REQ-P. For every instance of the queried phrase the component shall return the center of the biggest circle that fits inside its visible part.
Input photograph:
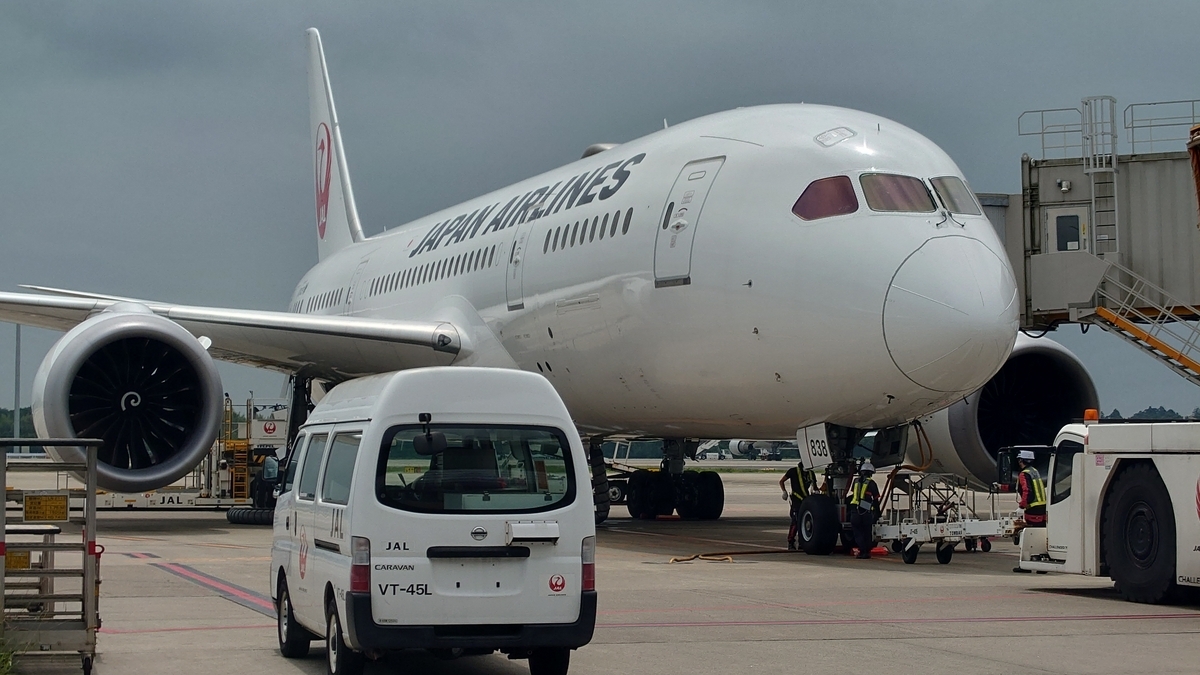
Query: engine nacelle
(1040, 388)
(140, 382)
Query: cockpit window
(890, 192)
(833, 196)
(955, 195)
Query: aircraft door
(680, 218)
(354, 289)
(516, 266)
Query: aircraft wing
(337, 347)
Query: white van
(447, 509)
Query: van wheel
(339, 658)
(549, 661)
(293, 639)
(1139, 535)
(819, 526)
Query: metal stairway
(1145, 315)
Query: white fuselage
(732, 318)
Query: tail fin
(337, 216)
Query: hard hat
(867, 466)
(1025, 454)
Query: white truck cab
(439, 508)
(1122, 501)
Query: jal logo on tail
(323, 164)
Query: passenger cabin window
(335, 487)
(1064, 457)
(833, 196)
(311, 464)
(894, 193)
(955, 195)
(484, 468)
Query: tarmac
(186, 593)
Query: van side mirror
(429, 443)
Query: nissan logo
(479, 534)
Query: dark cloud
(160, 149)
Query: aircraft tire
(712, 495)
(600, 495)
(639, 497)
(1139, 535)
(819, 525)
(689, 496)
(248, 515)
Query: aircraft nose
(950, 316)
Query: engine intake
(1040, 388)
(140, 382)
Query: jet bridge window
(833, 196)
(891, 192)
(955, 195)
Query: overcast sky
(160, 150)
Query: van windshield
(484, 468)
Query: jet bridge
(1106, 238)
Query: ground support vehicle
(51, 587)
(446, 509)
(938, 509)
(1123, 502)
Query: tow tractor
(1124, 502)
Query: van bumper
(366, 635)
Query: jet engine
(1040, 388)
(140, 382)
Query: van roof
(441, 390)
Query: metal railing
(1060, 131)
(1162, 126)
(1145, 314)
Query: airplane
(744, 275)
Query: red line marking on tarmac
(131, 631)
(853, 622)
(238, 594)
(833, 603)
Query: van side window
(484, 468)
(335, 487)
(1064, 457)
(311, 465)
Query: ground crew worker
(1031, 491)
(1031, 494)
(864, 505)
(802, 483)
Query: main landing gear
(694, 495)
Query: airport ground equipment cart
(1123, 500)
(938, 509)
(51, 581)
